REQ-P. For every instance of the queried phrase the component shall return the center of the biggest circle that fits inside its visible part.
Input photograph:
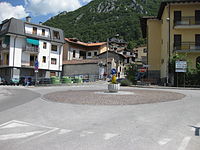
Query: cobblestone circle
(90, 97)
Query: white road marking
(164, 141)
(84, 133)
(184, 143)
(18, 135)
(64, 131)
(13, 125)
(6, 123)
(108, 136)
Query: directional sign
(113, 71)
(181, 66)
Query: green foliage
(125, 83)
(89, 24)
(131, 73)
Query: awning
(32, 41)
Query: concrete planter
(114, 88)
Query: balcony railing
(37, 34)
(187, 47)
(28, 63)
(31, 49)
(189, 20)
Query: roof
(114, 53)
(75, 41)
(17, 27)
(85, 61)
(163, 4)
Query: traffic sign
(113, 71)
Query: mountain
(101, 19)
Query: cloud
(86, 1)
(45, 7)
(8, 11)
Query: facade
(176, 30)
(77, 50)
(140, 55)
(88, 69)
(22, 44)
(119, 60)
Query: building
(140, 55)
(119, 60)
(88, 69)
(175, 30)
(22, 44)
(78, 50)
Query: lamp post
(107, 56)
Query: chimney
(40, 23)
(28, 19)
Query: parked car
(44, 81)
(26, 80)
(3, 81)
(14, 81)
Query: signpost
(36, 65)
(181, 66)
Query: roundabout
(123, 97)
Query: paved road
(44, 125)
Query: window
(44, 45)
(43, 32)
(144, 50)
(34, 30)
(95, 53)
(133, 58)
(53, 61)
(131, 53)
(89, 54)
(74, 53)
(177, 41)
(54, 48)
(124, 53)
(177, 17)
(56, 35)
(44, 59)
(127, 60)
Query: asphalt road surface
(28, 122)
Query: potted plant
(113, 86)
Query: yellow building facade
(176, 30)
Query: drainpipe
(13, 55)
(169, 14)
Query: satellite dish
(4, 45)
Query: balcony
(188, 22)
(29, 64)
(31, 49)
(187, 47)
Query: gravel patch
(92, 97)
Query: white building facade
(23, 44)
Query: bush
(125, 83)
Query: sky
(39, 10)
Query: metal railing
(38, 34)
(32, 49)
(189, 20)
(187, 46)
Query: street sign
(36, 64)
(181, 66)
(113, 71)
